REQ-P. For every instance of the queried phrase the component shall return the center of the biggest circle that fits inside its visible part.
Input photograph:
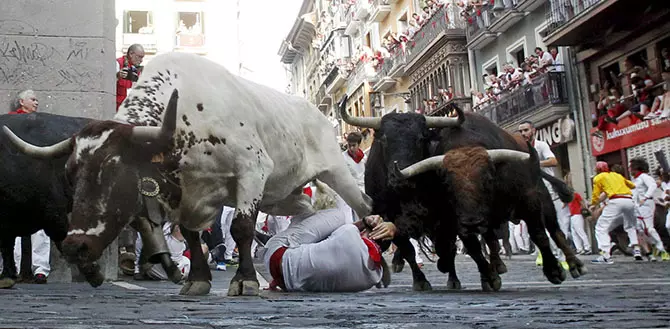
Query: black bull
(472, 196)
(35, 194)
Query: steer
(218, 140)
(34, 194)
(479, 193)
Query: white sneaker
(651, 258)
(602, 260)
(665, 114)
(652, 115)
(637, 254)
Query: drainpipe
(575, 99)
(473, 73)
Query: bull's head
(401, 139)
(103, 169)
(437, 162)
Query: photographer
(128, 70)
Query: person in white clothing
(547, 163)
(321, 252)
(41, 252)
(355, 158)
(664, 198)
(643, 196)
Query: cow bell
(153, 240)
(498, 5)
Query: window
(368, 40)
(519, 56)
(190, 23)
(491, 66)
(138, 22)
(517, 52)
(609, 75)
(664, 54)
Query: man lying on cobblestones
(322, 252)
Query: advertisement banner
(625, 137)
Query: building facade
(204, 27)
(502, 36)
(616, 45)
(377, 54)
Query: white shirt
(357, 170)
(558, 62)
(544, 153)
(645, 186)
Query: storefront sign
(625, 137)
(558, 132)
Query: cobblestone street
(623, 295)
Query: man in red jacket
(25, 102)
(128, 70)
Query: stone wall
(64, 50)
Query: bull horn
(507, 155)
(432, 163)
(42, 152)
(445, 122)
(166, 130)
(373, 123)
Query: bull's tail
(565, 193)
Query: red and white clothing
(323, 253)
(579, 236)
(643, 196)
(356, 164)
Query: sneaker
(665, 256)
(40, 278)
(538, 260)
(565, 265)
(580, 252)
(602, 260)
(651, 258)
(221, 266)
(637, 254)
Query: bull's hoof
(386, 275)
(554, 272)
(6, 283)
(195, 288)
(486, 286)
(422, 286)
(577, 268)
(174, 274)
(494, 283)
(501, 268)
(397, 268)
(95, 279)
(453, 285)
(243, 288)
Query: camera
(131, 73)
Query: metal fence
(446, 18)
(549, 88)
(562, 11)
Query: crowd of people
(647, 99)
(497, 86)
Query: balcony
(599, 23)
(362, 9)
(363, 71)
(443, 108)
(380, 10)
(299, 39)
(477, 32)
(529, 5)
(391, 69)
(548, 91)
(505, 17)
(445, 23)
(335, 80)
(148, 41)
(352, 23)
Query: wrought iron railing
(549, 88)
(446, 18)
(443, 108)
(561, 12)
(479, 22)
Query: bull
(218, 140)
(462, 180)
(35, 194)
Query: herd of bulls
(202, 138)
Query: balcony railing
(445, 19)
(562, 11)
(480, 22)
(362, 71)
(443, 108)
(547, 89)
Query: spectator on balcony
(558, 60)
(609, 107)
(479, 99)
(641, 88)
(665, 57)
(128, 70)
(419, 20)
(661, 106)
(545, 58)
(427, 14)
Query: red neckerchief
(374, 251)
(358, 156)
(19, 111)
(638, 174)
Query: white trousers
(417, 251)
(41, 245)
(645, 216)
(228, 241)
(519, 238)
(579, 236)
(615, 213)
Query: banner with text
(635, 134)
